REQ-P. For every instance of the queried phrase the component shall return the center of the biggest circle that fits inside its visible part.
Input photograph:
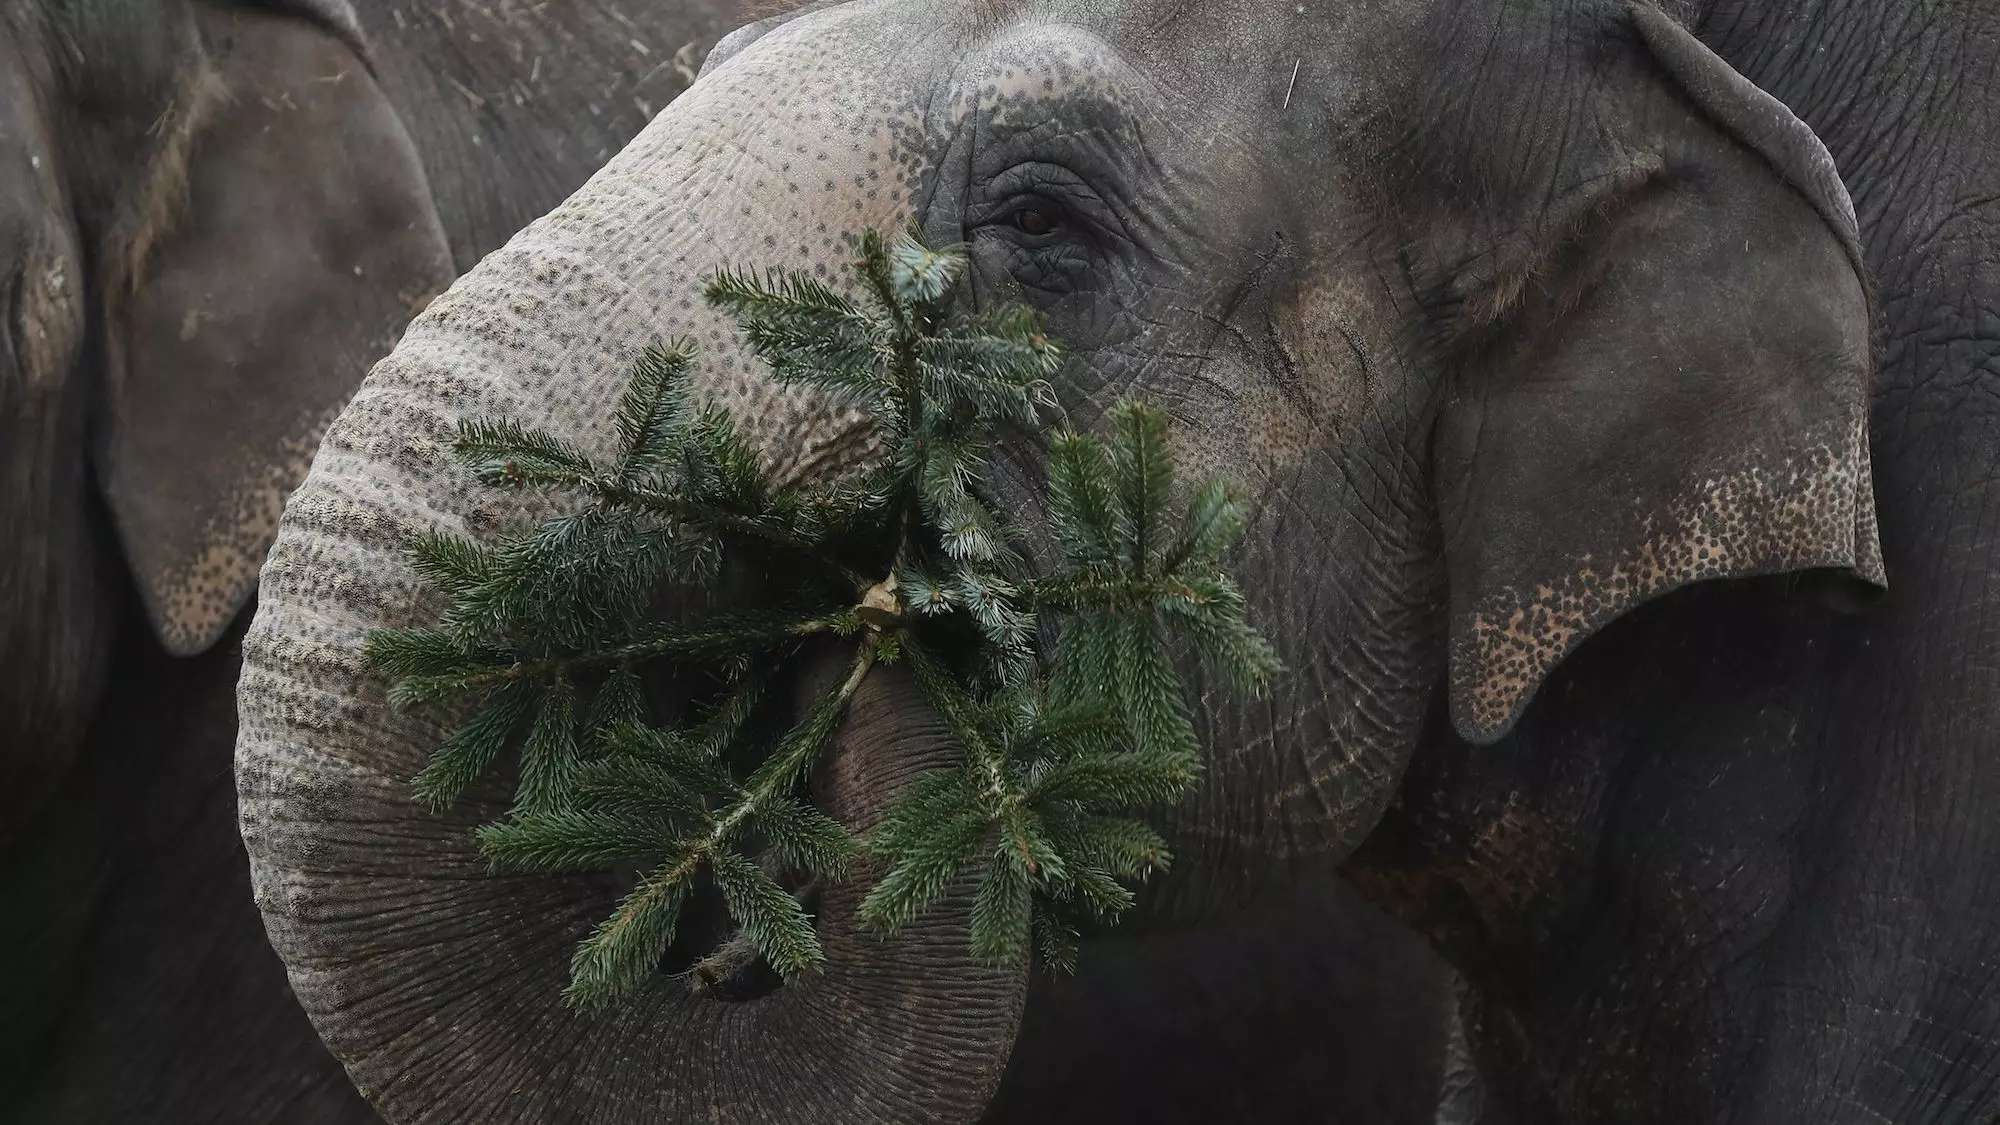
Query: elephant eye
(1037, 219)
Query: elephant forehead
(832, 124)
(1032, 63)
(776, 160)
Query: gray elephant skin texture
(215, 216)
(1597, 367)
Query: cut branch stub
(881, 608)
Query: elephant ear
(1670, 385)
(282, 237)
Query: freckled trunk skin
(438, 986)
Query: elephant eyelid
(1010, 217)
(1050, 184)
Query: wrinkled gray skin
(1737, 863)
(213, 217)
(1519, 319)
(511, 103)
(139, 985)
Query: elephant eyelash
(1057, 186)
(1052, 217)
(1066, 223)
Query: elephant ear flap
(276, 242)
(1672, 387)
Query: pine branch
(669, 789)
(917, 273)
(1214, 523)
(620, 702)
(620, 954)
(1080, 505)
(807, 838)
(1003, 909)
(504, 452)
(923, 871)
(429, 653)
(878, 275)
(452, 563)
(1211, 616)
(653, 409)
(700, 516)
(794, 754)
(459, 760)
(1142, 476)
(771, 918)
(747, 635)
(561, 840)
(1055, 939)
(715, 735)
(549, 757)
(1065, 751)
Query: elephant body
(198, 199)
(512, 104)
(1613, 380)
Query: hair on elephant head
(212, 222)
(1512, 316)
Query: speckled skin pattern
(1814, 509)
(547, 328)
(1797, 499)
(1490, 388)
(155, 300)
(353, 245)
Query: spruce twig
(1064, 751)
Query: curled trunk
(438, 985)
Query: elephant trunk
(439, 989)
(438, 985)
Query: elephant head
(1512, 317)
(211, 221)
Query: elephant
(150, 440)
(1608, 377)
(213, 221)
(1230, 1022)
(214, 216)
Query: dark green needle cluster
(1060, 687)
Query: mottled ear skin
(1671, 383)
(305, 241)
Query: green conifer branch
(1064, 750)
